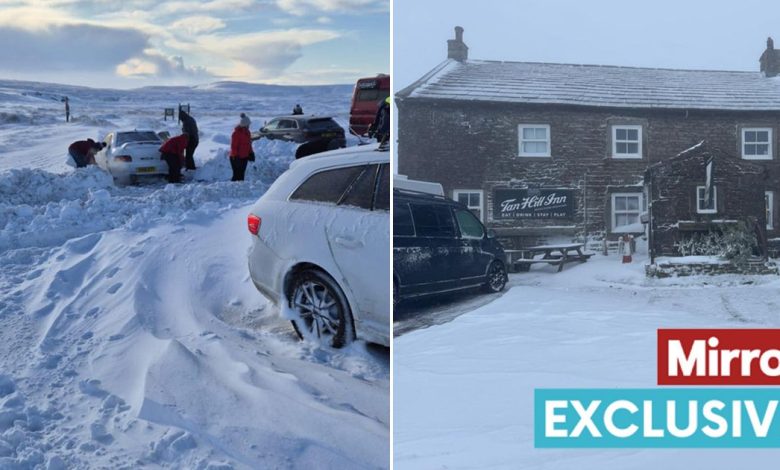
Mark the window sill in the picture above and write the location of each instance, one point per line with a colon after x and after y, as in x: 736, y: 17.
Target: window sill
x: 706, y: 212
x: 744, y: 157
x: 534, y: 156
x: 626, y: 157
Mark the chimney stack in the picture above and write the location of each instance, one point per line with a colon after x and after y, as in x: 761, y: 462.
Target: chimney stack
x: 770, y: 59
x: 456, y: 48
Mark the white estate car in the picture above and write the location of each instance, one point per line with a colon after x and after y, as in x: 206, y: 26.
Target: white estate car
x: 321, y: 245
x: 129, y: 155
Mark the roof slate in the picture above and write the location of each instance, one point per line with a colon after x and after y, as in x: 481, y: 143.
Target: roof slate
x: 597, y: 85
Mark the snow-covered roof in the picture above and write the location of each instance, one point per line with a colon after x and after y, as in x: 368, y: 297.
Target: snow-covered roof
x: 597, y: 85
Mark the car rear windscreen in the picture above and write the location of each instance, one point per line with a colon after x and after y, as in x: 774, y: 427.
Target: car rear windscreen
x: 136, y: 136
x: 322, y: 124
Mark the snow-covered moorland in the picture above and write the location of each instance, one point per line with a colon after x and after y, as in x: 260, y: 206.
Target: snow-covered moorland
x: 131, y: 334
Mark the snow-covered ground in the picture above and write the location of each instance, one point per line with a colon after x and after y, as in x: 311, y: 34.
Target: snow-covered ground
x: 131, y: 334
x: 463, y: 390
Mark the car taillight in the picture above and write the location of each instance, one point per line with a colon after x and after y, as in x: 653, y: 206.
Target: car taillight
x: 253, y: 223
x: 123, y: 158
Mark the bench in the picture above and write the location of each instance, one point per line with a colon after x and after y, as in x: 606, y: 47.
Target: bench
x: 555, y: 255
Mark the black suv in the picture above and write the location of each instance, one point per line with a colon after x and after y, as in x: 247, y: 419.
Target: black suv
x: 316, y: 133
x: 440, y: 246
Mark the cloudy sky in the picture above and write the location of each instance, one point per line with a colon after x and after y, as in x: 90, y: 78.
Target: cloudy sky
x: 695, y: 34
x: 132, y: 43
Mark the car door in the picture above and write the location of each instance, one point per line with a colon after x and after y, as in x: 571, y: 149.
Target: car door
x: 474, y: 259
x: 287, y: 129
x: 433, y: 222
x: 359, y: 238
x: 270, y: 129
x: 412, y: 256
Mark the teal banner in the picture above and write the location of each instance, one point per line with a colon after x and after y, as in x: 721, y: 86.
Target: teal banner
x: 657, y: 417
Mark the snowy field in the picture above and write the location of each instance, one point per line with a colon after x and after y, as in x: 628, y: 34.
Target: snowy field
x: 463, y: 390
x: 131, y: 334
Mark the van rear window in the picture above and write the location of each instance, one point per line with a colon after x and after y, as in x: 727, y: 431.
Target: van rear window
x: 372, y: 95
x: 433, y: 221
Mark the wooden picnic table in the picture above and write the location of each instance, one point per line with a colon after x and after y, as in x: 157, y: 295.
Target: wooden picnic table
x: 551, y: 254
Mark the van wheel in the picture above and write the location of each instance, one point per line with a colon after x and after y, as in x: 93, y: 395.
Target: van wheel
x: 322, y: 309
x: 496, y: 277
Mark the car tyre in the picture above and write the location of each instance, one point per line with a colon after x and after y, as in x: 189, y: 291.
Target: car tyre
x: 496, y: 277
x: 322, y: 309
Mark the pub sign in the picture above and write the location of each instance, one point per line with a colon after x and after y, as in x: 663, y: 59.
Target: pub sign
x: 533, y: 204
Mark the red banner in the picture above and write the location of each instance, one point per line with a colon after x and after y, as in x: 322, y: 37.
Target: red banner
x: 719, y: 357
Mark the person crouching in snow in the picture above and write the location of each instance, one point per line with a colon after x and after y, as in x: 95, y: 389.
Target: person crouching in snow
x: 241, y: 148
x: 83, y: 152
x: 172, y: 151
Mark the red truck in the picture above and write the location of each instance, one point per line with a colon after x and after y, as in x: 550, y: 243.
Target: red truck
x: 369, y: 92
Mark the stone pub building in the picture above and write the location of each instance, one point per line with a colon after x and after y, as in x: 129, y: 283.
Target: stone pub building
x: 544, y: 152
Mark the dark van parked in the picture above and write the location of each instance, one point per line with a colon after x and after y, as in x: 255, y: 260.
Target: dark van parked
x: 440, y: 246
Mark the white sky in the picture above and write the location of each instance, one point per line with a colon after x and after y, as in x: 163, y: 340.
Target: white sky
x: 661, y: 33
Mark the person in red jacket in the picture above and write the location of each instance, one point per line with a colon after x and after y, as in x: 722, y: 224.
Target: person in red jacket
x: 241, y: 148
x: 172, y: 151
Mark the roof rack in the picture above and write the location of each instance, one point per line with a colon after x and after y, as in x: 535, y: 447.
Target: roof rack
x: 412, y: 192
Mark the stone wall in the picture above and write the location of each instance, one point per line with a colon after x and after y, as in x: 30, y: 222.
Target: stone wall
x: 474, y: 145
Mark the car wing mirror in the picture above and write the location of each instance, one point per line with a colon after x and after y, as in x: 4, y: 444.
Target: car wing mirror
x: 491, y: 233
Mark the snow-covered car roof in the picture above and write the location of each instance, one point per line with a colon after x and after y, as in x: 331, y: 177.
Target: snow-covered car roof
x: 357, y: 154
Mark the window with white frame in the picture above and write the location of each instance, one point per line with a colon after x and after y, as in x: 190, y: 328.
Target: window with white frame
x: 626, y: 210
x: 769, y: 197
x: 757, y: 143
x: 706, y: 203
x: 626, y: 141
x: 534, y: 140
x: 471, y: 198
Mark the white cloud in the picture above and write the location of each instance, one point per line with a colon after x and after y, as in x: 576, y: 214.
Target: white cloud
x: 269, y: 53
x: 308, y: 7
x: 193, y: 25
x: 156, y: 65
x: 261, y: 55
x: 208, y: 6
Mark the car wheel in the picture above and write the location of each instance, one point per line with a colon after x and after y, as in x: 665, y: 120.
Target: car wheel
x: 496, y: 277
x: 321, y: 308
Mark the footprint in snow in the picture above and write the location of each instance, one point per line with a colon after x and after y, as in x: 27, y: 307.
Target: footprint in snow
x: 114, y: 288
x: 112, y: 272
x: 136, y: 254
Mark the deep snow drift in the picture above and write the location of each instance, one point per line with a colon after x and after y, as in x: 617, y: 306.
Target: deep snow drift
x: 132, y: 335
x: 463, y: 390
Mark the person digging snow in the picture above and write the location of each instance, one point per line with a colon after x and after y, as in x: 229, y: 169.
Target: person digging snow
x: 83, y: 152
x: 381, y: 126
x: 297, y: 110
x: 190, y: 126
x: 241, y: 151
x: 172, y: 151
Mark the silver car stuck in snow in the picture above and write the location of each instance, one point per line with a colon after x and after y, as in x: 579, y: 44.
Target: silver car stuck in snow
x: 321, y: 245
